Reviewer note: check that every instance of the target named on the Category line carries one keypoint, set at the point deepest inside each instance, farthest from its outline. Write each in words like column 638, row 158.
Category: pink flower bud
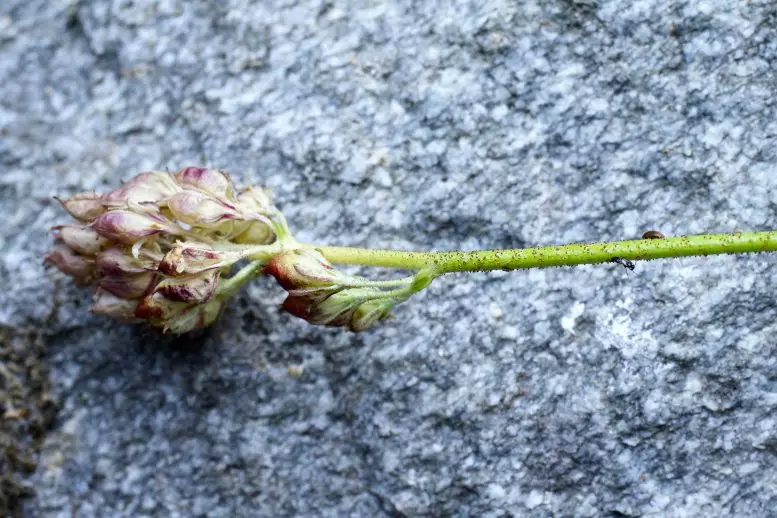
column 197, row 208
column 84, row 206
column 151, row 187
column 127, row 227
column 302, row 269
column 115, row 307
column 191, row 258
column 80, row 268
column 370, row 312
column 215, row 182
column 83, row 240
column 127, row 286
column 117, row 260
column 192, row 289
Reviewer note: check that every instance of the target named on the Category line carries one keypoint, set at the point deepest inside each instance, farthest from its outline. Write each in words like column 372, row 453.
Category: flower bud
column 215, row 182
column 84, row 206
column 370, row 312
column 194, row 317
column 253, row 199
column 198, row 209
column 80, row 268
column 83, row 240
column 338, row 307
column 191, row 258
column 157, row 307
column 145, row 188
column 118, row 260
column 127, row 227
column 255, row 233
column 192, row 289
column 302, row 269
column 115, row 307
column 127, row 286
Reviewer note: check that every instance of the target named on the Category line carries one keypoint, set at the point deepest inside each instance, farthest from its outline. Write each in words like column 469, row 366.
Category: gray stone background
column 588, row 391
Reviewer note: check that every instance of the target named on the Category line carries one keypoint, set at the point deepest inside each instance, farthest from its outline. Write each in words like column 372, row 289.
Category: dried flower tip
column 115, row 307
column 194, row 317
column 191, row 258
column 80, row 268
column 370, row 312
column 198, row 209
column 192, row 289
column 216, row 182
column 84, row 206
column 127, row 227
column 302, row 269
column 145, row 188
column 128, row 286
column 83, row 240
column 118, row 260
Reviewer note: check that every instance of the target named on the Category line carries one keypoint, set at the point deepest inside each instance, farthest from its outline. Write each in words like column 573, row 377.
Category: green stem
column 562, row 255
column 231, row 285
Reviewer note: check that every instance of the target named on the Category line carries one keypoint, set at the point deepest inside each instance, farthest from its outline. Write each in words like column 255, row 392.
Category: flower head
column 157, row 248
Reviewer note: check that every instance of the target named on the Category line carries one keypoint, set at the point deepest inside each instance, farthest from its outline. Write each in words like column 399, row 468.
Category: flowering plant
column 162, row 248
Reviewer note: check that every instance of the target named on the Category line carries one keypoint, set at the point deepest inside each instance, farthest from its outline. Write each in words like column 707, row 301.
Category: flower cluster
column 320, row 294
column 158, row 248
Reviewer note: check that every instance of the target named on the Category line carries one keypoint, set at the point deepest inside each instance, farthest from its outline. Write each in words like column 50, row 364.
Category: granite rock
column 588, row 391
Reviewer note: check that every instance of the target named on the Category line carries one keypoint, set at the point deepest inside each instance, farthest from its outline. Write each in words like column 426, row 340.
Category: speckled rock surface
column 591, row 391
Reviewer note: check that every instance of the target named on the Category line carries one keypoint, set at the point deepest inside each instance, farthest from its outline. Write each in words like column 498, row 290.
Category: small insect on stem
column 653, row 234
column 623, row 262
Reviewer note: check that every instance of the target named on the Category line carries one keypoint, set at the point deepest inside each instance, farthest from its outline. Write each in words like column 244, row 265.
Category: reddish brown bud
column 84, row 206
column 80, row 268
column 83, row 240
column 297, row 306
column 302, row 269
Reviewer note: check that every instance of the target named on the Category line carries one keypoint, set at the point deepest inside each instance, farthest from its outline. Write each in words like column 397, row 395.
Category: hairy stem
column 561, row 255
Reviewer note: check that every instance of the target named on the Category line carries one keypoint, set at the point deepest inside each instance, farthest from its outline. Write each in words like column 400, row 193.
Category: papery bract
column 196, row 208
column 83, row 240
column 145, row 188
column 127, row 227
column 110, row 305
column 193, row 289
column 190, row 258
column 84, row 206
column 80, row 268
column 127, row 286
column 215, row 182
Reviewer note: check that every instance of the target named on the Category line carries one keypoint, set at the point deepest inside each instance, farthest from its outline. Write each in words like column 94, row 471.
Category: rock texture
column 591, row 391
